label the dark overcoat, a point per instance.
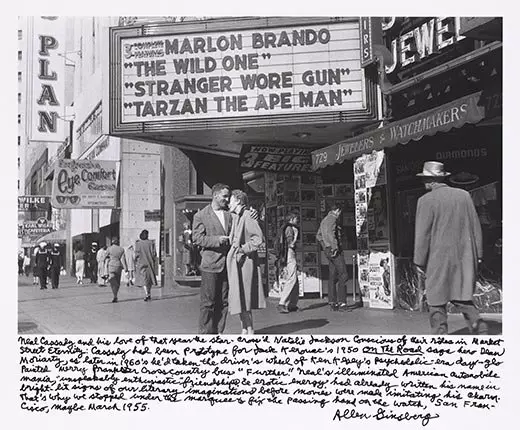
(246, 291)
(448, 242)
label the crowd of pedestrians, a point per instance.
(448, 250)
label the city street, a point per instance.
(87, 309)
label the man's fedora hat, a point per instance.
(464, 178)
(433, 169)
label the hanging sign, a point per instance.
(33, 203)
(80, 184)
(275, 158)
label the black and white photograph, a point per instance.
(309, 213)
(159, 160)
(344, 190)
(328, 190)
(310, 258)
(308, 196)
(309, 239)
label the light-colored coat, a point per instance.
(245, 283)
(448, 242)
(145, 261)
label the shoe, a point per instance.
(147, 298)
(282, 309)
(342, 307)
(333, 307)
(358, 304)
(114, 300)
(480, 327)
(293, 308)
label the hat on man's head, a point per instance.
(56, 245)
(433, 169)
(43, 244)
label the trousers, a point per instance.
(290, 291)
(214, 290)
(338, 278)
(439, 318)
(54, 273)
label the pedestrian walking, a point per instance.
(55, 266)
(92, 263)
(448, 249)
(130, 261)
(102, 274)
(243, 268)
(286, 263)
(79, 256)
(34, 266)
(42, 263)
(145, 262)
(20, 263)
(211, 229)
(116, 263)
(329, 237)
(26, 265)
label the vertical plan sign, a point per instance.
(311, 68)
(46, 88)
(80, 184)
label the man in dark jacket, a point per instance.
(448, 249)
(42, 263)
(329, 237)
(55, 266)
(92, 264)
(211, 229)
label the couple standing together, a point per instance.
(230, 272)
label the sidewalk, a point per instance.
(87, 309)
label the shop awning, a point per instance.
(469, 109)
(54, 237)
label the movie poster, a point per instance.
(380, 280)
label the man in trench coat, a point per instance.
(448, 249)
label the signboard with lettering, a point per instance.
(31, 231)
(152, 215)
(46, 91)
(275, 158)
(34, 203)
(469, 109)
(247, 72)
(80, 184)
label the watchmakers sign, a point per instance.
(288, 70)
(80, 184)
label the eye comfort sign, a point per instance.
(82, 184)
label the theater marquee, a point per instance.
(168, 74)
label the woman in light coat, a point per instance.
(245, 283)
(102, 268)
(145, 261)
(116, 262)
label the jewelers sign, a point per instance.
(80, 184)
(249, 72)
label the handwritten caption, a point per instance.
(357, 377)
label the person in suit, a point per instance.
(145, 262)
(92, 263)
(116, 262)
(448, 249)
(211, 230)
(55, 265)
(246, 291)
(42, 263)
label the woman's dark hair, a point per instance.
(291, 215)
(79, 247)
(144, 235)
(241, 196)
(115, 241)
